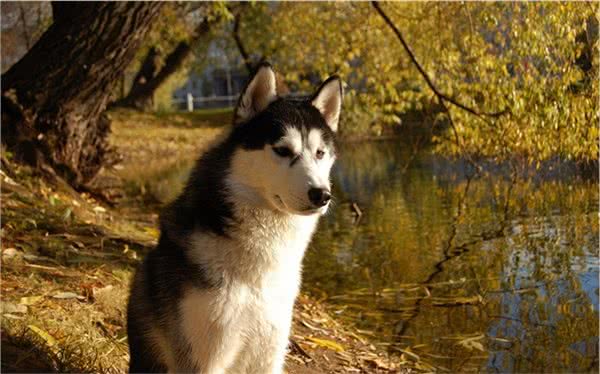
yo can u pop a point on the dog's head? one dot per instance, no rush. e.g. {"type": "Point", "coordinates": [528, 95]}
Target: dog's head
{"type": "Point", "coordinates": [286, 147]}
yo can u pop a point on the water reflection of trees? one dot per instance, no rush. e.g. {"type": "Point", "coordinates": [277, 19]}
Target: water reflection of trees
{"type": "Point", "coordinates": [438, 258]}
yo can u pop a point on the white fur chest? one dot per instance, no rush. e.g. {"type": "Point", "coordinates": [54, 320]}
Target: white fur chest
{"type": "Point", "coordinates": [257, 271]}
{"type": "Point", "coordinates": [267, 246]}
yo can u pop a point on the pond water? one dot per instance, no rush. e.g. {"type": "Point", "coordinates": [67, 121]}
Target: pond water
{"type": "Point", "coordinates": [468, 273]}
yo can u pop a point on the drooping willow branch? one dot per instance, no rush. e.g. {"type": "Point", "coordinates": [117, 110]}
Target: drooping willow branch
{"type": "Point", "coordinates": [441, 96]}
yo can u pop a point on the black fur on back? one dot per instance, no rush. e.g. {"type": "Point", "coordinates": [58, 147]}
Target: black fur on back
{"type": "Point", "coordinates": [157, 287]}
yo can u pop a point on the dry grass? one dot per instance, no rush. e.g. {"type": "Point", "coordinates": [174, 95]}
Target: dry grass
{"type": "Point", "coordinates": [66, 264]}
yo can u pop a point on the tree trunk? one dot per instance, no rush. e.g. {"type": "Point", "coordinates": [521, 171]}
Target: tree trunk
{"type": "Point", "coordinates": [149, 79]}
{"type": "Point", "coordinates": [147, 72]}
{"type": "Point", "coordinates": [54, 97]}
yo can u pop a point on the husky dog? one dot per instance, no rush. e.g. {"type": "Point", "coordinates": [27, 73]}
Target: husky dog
{"type": "Point", "coordinates": [216, 295]}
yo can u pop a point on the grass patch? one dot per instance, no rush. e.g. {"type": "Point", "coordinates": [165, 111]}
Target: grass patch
{"type": "Point", "coordinates": [218, 117]}
{"type": "Point", "coordinates": [199, 117]}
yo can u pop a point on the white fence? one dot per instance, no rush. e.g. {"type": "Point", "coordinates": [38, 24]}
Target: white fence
{"type": "Point", "coordinates": [190, 102]}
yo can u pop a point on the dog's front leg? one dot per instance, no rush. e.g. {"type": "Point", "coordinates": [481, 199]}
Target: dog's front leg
{"type": "Point", "coordinates": [269, 357]}
{"type": "Point", "coordinates": [210, 340]}
{"type": "Point", "coordinates": [211, 351]}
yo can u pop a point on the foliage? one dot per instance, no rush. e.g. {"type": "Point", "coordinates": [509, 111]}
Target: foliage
{"type": "Point", "coordinates": [513, 57]}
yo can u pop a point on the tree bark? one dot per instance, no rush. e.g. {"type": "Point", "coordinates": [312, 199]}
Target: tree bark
{"type": "Point", "coordinates": [54, 97]}
{"type": "Point", "coordinates": [149, 78]}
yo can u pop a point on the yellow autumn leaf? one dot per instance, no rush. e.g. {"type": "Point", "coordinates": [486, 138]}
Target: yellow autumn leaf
{"type": "Point", "coordinates": [31, 300]}
{"type": "Point", "coordinates": [330, 344]}
{"type": "Point", "coordinates": [46, 337]}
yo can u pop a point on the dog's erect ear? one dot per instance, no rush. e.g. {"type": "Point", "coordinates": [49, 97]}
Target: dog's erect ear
{"type": "Point", "coordinates": [258, 94]}
{"type": "Point", "coordinates": [328, 99]}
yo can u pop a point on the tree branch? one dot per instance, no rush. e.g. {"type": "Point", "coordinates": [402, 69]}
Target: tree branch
{"type": "Point", "coordinates": [442, 96]}
{"type": "Point", "coordinates": [239, 44]}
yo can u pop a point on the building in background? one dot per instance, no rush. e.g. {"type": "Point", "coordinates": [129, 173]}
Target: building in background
{"type": "Point", "coordinates": [218, 84]}
{"type": "Point", "coordinates": [215, 87]}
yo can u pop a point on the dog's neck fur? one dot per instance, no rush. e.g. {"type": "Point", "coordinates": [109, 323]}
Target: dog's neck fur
{"type": "Point", "coordinates": [263, 245]}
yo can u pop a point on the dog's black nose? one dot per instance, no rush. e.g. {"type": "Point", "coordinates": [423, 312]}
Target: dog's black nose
{"type": "Point", "coordinates": [319, 196]}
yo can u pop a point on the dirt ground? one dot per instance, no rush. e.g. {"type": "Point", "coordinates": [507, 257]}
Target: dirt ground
{"type": "Point", "coordinates": [67, 258]}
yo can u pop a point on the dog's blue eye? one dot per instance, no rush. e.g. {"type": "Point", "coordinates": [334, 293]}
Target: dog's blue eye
{"type": "Point", "coordinates": [283, 151]}
{"type": "Point", "coordinates": [320, 154]}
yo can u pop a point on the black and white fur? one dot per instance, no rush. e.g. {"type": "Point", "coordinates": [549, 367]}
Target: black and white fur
{"type": "Point", "coordinates": [216, 295]}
